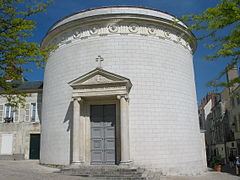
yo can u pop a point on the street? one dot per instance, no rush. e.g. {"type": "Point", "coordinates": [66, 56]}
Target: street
{"type": "Point", "coordinates": [31, 170]}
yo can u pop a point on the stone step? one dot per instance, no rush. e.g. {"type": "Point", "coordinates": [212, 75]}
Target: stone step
{"type": "Point", "coordinates": [12, 157]}
{"type": "Point", "coordinates": [120, 178]}
{"type": "Point", "coordinates": [105, 172]}
{"type": "Point", "coordinates": [100, 172]}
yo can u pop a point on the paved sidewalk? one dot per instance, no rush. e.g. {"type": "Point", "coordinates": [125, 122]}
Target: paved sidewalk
{"type": "Point", "coordinates": [226, 174]}
{"type": "Point", "coordinates": [207, 176]}
{"type": "Point", "coordinates": [31, 170]}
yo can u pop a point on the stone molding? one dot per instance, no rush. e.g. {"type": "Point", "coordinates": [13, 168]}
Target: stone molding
{"type": "Point", "coordinates": [122, 28]}
{"type": "Point", "coordinates": [100, 83]}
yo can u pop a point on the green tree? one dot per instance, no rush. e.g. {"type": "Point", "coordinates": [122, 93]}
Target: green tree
{"type": "Point", "coordinates": [221, 26]}
{"type": "Point", "coordinates": [16, 51]}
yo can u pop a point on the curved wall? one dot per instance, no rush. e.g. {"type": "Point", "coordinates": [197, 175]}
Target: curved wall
{"type": "Point", "coordinates": [156, 57]}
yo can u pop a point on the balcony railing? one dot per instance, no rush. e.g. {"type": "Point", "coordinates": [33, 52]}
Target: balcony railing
{"type": "Point", "coordinates": [8, 119]}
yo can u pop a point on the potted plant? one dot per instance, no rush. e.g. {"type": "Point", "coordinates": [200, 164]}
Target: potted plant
{"type": "Point", "coordinates": [217, 163]}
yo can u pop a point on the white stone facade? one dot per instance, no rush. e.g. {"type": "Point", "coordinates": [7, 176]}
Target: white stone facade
{"type": "Point", "coordinates": [144, 46]}
{"type": "Point", "coordinates": [21, 128]}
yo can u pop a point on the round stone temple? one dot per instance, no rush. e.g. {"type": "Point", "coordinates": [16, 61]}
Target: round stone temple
{"type": "Point", "coordinates": [119, 90]}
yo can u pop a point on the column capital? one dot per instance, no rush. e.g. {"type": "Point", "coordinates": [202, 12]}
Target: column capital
{"type": "Point", "coordinates": [79, 99]}
{"type": "Point", "coordinates": [123, 96]}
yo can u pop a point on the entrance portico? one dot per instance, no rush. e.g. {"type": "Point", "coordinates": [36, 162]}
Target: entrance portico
{"type": "Point", "coordinates": [95, 96]}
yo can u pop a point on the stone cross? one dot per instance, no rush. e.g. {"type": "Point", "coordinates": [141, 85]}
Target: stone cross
{"type": "Point", "coordinates": [99, 59]}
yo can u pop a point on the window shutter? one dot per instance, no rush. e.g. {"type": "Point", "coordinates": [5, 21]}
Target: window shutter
{"type": "Point", "coordinates": [27, 111]}
{"type": "Point", "coordinates": [1, 113]}
{"type": "Point", "coordinates": [33, 112]}
{"type": "Point", "coordinates": [38, 110]}
{"type": "Point", "coordinates": [7, 110]}
{"type": "Point", "coordinates": [16, 114]}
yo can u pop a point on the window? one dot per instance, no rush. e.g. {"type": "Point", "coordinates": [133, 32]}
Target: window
{"type": "Point", "coordinates": [33, 114]}
{"type": "Point", "coordinates": [9, 113]}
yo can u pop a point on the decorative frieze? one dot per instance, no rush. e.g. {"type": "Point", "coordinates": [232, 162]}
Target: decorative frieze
{"type": "Point", "coordinates": [133, 27]}
{"type": "Point", "coordinates": [113, 28]}
{"type": "Point", "coordinates": [126, 28]}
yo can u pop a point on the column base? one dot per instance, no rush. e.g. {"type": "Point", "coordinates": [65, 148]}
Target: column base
{"type": "Point", "coordinates": [77, 163]}
{"type": "Point", "coordinates": [125, 163]}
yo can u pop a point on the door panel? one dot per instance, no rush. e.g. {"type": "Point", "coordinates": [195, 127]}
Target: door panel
{"type": "Point", "coordinates": [109, 115]}
{"type": "Point", "coordinates": [97, 132]}
{"type": "Point", "coordinates": [109, 132]}
{"type": "Point", "coordinates": [97, 157]}
{"type": "Point", "coordinates": [109, 156]}
{"type": "Point", "coordinates": [7, 142]}
{"type": "Point", "coordinates": [97, 116]}
{"type": "Point", "coordinates": [103, 120]}
{"type": "Point", "coordinates": [97, 144]}
{"type": "Point", "coordinates": [109, 144]}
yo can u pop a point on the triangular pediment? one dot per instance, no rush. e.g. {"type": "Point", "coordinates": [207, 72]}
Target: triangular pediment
{"type": "Point", "coordinates": [99, 77]}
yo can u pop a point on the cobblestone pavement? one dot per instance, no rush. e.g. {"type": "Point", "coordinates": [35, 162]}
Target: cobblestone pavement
{"type": "Point", "coordinates": [31, 170]}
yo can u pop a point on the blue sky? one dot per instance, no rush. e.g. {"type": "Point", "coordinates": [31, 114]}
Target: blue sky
{"type": "Point", "coordinates": [204, 71]}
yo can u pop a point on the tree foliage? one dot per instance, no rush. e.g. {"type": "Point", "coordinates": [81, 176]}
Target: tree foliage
{"type": "Point", "coordinates": [16, 51]}
{"type": "Point", "coordinates": [221, 26]}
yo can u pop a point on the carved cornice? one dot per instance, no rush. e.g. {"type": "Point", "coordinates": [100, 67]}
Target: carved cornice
{"type": "Point", "coordinates": [122, 28]}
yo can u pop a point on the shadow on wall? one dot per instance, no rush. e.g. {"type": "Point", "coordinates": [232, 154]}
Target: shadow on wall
{"type": "Point", "coordinates": [69, 119]}
{"type": "Point", "coordinates": [69, 116]}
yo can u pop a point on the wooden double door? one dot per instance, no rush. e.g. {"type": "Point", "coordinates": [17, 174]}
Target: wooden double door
{"type": "Point", "coordinates": [103, 134]}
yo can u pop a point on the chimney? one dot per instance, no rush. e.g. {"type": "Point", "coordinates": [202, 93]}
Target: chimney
{"type": "Point", "coordinates": [232, 72]}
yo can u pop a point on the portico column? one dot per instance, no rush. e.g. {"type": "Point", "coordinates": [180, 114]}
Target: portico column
{"type": "Point", "coordinates": [82, 136]}
{"type": "Point", "coordinates": [76, 128]}
{"type": "Point", "coordinates": [124, 121]}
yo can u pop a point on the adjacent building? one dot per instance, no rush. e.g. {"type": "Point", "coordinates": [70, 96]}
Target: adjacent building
{"type": "Point", "coordinates": [20, 126]}
{"type": "Point", "coordinates": [219, 115]}
{"type": "Point", "coordinates": [235, 117]}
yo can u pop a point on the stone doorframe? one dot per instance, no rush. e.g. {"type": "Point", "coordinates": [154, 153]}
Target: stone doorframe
{"type": "Point", "coordinates": [98, 86]}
